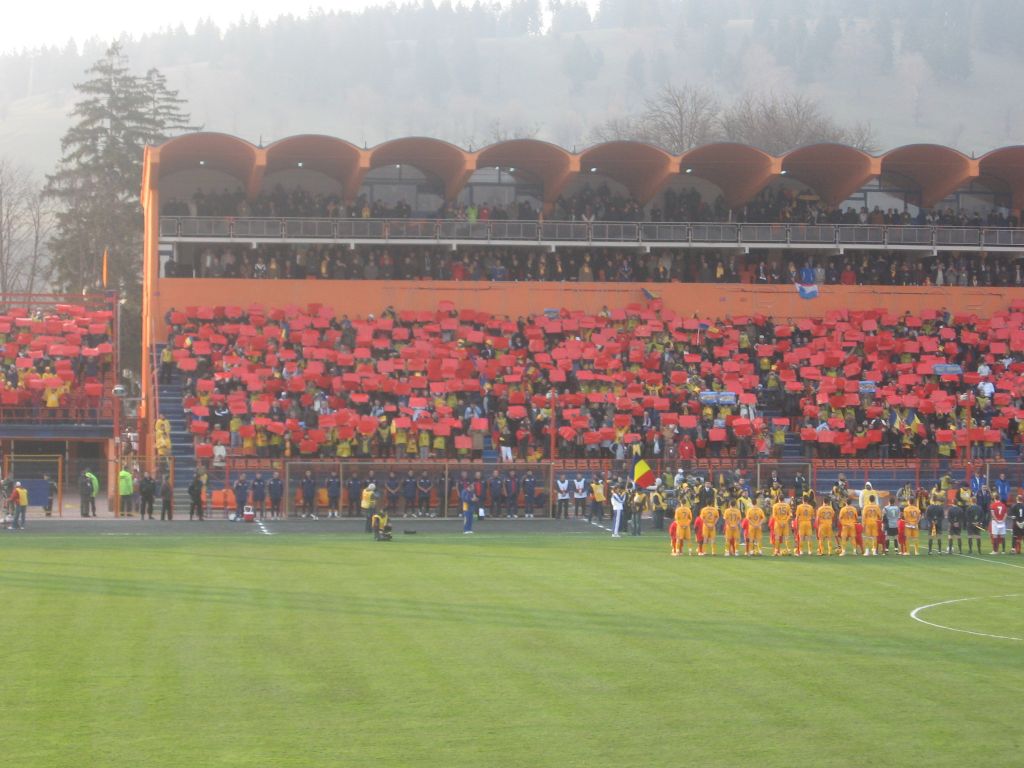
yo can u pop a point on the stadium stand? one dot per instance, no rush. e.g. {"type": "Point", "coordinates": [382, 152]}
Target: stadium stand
{"type": "Point", "coordinates": [265, 371]}
{"type": "Point", "coordinates": [291, 382]}
{"type": "Point", "coordinates": [588, 204]}
{"type": "Point", "coordinates": [476, 262]}
{"type": "Point", "coordinates": [57, 364]}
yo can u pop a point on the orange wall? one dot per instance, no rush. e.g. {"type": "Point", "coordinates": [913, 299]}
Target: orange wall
{"type": "Point", "coordinates": [359, 298]}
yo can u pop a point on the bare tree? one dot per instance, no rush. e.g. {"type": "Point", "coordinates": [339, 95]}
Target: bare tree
{"type": "Point", "coordinates": [683, 117]}
{"type": "Point", "coordinates": [498, 131]}
{"type": "Point", "coordinates": [620, 129]}
{"type": "Point", "coordinates": [861, 135]}
{"type": "Point", "coordinates": [677, 118]}
{"type": "Point", "coordinates": [39, 214]}
{"type": "Point", "coordinates": [26, 221]}
{"type": "Point", "coordinates": [778, 123]}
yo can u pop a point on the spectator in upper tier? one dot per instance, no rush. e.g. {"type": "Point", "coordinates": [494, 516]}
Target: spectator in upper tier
{"type": "Point", "coordinates": [589, 202]}
{"type": "Point", "coordinates": [483, 262]}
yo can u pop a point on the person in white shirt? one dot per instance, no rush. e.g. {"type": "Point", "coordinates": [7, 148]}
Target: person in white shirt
{"type": "Point", "coordinates": [562, 495]}
{"type": "Point", "coordinates": [579, 496]}
{"type": "Point", "coordinates": [618, 502]}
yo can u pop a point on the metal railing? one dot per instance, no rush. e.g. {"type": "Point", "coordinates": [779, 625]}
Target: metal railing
{"type": "Point", "coordinates": [96, 412]}
{"type": "Point", "coordinates": [635, 234]}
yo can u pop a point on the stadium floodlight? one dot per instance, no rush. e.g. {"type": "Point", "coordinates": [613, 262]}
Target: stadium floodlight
{"type": "Point", "coordinates": [593, 170]}
{"type": "Point", "coordinates": [783, 172]}
{"type": "Point", "coordinates": [511, 170]}
{"type": "Point", "coordinates": [202, 162]}
{"type": "Point", "coordinates": [689, 170]}
{"type": "Point", "coordinates": [299, 163]}
{"type": "Point", "coordinates": [398, 165]}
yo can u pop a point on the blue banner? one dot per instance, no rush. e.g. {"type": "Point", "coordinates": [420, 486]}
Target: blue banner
{"type": "Point", "coordinates": [807, 291]}
{"type": "Point", "coordinates": [717, 398]}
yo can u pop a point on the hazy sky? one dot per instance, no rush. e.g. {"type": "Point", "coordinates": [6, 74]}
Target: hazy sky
{"type": "Point", "coordinates": [53, 23]}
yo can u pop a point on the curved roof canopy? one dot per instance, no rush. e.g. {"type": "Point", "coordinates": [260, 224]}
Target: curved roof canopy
{"type": "Point", "coordinates": [1007, 165]}
{"type": "Point", "coordinates": [740, 171]}
{"type": "Point", "coordinates": [834, 171]}
{"type": "Point", "coordinates": [641, 168]}
{"type": "Point", "coordinates": [937, 170]}
{"type": "Point", "coordinates": [326, 154]}
{"type": "Point", "coordinates": [216, 151]}
{"type": "Point", "coordinates": [547, 162]}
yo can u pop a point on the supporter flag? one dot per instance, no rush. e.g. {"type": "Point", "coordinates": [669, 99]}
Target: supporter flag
{"type": "Point", "coordinates": [643, 477]}
{"type": "Point", "coordinates": [106, 258]}
{"type": "Point", "coordinates": [807, 291]}
{"type": "Point", "coordinates": [649, 295]}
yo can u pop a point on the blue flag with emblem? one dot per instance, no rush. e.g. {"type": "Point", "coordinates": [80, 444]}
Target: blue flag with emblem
{"type": "Point", "coordinates": [807, 291]}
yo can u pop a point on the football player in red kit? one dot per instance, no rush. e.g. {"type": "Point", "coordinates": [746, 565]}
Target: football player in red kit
{"type": "Point", "coordinates": [997, 526]}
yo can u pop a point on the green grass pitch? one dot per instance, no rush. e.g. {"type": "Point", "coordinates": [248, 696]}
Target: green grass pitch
{"type": "Point", "coordinates": [498, 650]}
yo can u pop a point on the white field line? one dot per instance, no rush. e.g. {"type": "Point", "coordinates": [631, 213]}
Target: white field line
{"type": "Point", "coordinates": [994, 562]}
{"type": "Point", "coordinates": [914, 614]}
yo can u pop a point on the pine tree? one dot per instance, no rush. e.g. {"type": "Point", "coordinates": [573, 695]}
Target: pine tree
{"type": "Point", "coordinates": [97, 181]}
{"type": "Point", "coordinates": [165, 109]}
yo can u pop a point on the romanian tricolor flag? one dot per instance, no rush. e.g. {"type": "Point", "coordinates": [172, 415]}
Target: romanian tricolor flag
{"type": "Point", "coordinates": [643, 477]}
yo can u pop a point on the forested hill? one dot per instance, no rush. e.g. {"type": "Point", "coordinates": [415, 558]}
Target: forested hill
{"type": "Point", "coordinates": [945, 71]}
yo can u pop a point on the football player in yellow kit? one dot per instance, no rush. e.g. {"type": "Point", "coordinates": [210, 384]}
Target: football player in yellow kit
{"type": "Point", "coordinates": [871, 518]}
{"type": "Point", "coordinates": [684, 519]}
{"type": "Point", "coordinates": [847, 527]}
{"type": "Point", "coordinates": [823, 517]}
{"type": "Point", "coordinates": [911, 528]}
{"type": "Point", "coordinates": [805, 525]}
{"type": "Point", "coordinates": [755, 529]}
{"type": "Point", "coordinates": [709, 517]}
{"type": "Point", "coordinates": [732, 517]}
{"type": "Point", "coordinates": [782, 514]}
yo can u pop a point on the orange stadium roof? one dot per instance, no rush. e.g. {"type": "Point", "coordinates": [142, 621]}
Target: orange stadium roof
{"type": "Point", "coordinates": [834, 171]}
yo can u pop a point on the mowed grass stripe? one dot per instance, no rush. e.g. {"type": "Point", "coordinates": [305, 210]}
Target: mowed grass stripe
{"type": "Point", "coordinates": [528, 650]}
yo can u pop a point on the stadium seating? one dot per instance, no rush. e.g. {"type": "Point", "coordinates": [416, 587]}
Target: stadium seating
{"type": "Point", "coordinates": [589, 203]}
{"type": "Point", "coordinates": [56, 362]}
{"type": "Point", "coordinates": [454, 384]}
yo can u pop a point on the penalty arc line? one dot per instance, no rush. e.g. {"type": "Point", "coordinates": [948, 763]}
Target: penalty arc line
{"type": "Point", "coordinates": [914, 615]}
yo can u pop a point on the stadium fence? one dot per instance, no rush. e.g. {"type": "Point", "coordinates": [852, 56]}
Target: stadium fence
{"type": "Point", "coordinates": [820, 474]}
{"type": "Point", "coordinates": [35, 473]}
{"type": "Point", "coordinates": [444, 477]}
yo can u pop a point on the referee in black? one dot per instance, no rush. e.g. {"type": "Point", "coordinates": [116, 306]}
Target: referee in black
{"type": "Point", "coordinates": [1017, 516]}
{"type": "Point", "coordinates": [936, 514]}
{"type": "Point", "coordinates": [957, 518]}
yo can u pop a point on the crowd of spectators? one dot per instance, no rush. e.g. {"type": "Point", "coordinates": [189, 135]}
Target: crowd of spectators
{"type": "Point", "coordinates": [297, 202]}
{"type": "Point", "coordinates": [54, 362]}
{"type": "Point", "coordinates": [589, 204]}
{"type": "Point", "coordinates": [334, 262]}
{"type": "Point", "coordinates": [641, 379]}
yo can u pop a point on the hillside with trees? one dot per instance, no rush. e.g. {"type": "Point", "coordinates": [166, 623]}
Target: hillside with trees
{"type": "Point", "coordinates": [916, 71]}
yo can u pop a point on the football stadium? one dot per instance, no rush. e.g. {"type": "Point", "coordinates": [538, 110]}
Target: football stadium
{"type": "Point", "coordinates": [525, 456]}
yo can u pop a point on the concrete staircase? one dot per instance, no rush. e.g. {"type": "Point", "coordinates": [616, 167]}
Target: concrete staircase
{"type": "Point", "coordinates": [182, 444]}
